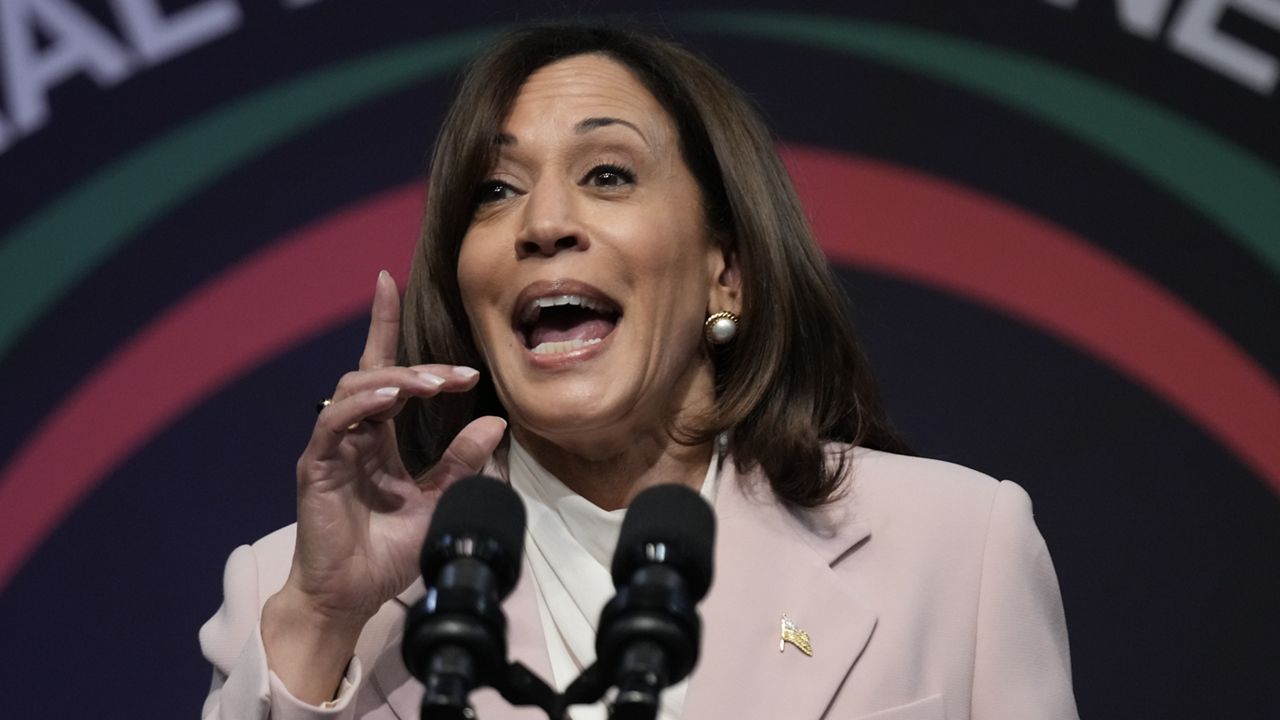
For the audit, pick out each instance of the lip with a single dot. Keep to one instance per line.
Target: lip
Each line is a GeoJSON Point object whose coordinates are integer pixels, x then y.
{"type": "Point", "coordinates": [551, 288]}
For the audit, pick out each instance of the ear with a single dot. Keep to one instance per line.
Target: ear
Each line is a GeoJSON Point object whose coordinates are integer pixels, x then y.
{"type": "Point", "coordinates": [726, 281]}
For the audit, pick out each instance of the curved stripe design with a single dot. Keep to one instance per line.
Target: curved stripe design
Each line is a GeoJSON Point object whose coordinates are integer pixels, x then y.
{"type": "Point", "coordinates": [45, 256]}
{"type": "Point", "coordinates": [867, 214]}
{"type": "Point", "coordinates": [285, 295]}
{"type": "Point", "coordinates": [900, 222]}
{"type": "Point", "coordinates": [1231, 186]}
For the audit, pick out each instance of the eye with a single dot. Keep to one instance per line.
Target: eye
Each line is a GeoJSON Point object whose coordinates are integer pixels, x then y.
{"type": "Point", "coordinates": [609, 176]}
{"type": "Point", "coordinates": [492, 191]}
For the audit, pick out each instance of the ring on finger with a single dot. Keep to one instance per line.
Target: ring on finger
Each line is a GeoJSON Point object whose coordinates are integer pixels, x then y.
{"type": "Point", "coordinates": [320, 406]}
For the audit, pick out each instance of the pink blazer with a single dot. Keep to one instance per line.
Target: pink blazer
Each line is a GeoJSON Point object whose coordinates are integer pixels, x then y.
{"type": "Point", "coordinates": [926, 591]}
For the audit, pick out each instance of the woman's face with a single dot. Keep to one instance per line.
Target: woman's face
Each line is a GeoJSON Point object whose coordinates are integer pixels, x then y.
{"type": "Point", "coordinates": [588, 269]}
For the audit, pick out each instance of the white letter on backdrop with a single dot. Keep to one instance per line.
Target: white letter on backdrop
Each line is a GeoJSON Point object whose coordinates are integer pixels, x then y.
{"type": "Point", "coordinates": [1195, 34]}
{"type": "Point", "coordinates": [159, 37]}
{"type": "Point", "coordinates": [1143, 18]}
{"type": "Point", "coordinates": [76, 43]}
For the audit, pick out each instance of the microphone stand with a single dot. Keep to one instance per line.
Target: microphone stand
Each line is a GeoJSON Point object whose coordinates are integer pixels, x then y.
{"type": "Point", "coordinates": [519, 686]}
{"type": "Point", "coordinates": [648, 638]}
{"type": "Point", "coordinates": [455, 652]}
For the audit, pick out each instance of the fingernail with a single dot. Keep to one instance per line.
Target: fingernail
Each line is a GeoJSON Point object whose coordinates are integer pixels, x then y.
{"type": "Point", "coordinates": [431, 379]}
{"type": "Point", "coordinates": [464, 372]}
{"type": "Point", "coordinates": [387, 392]}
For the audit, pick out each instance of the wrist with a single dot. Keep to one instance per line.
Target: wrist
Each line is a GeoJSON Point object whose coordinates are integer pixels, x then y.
{"type": "Point", "coordinates": [300, 612]}
{"type": "Point", "coordinates": [307, 647]}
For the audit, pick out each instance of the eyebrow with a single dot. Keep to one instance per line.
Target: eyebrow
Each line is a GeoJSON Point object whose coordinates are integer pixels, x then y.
{"type": "Point", "coordinates": [593, 123]}
{"type": "Point", "coordinates": [582, 126]}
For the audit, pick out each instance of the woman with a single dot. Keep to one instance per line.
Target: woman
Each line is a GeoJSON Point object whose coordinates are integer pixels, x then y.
{"type": "Point", "coordinates": [614, 263]}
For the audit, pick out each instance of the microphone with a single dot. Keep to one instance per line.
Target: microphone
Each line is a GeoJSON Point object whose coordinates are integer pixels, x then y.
{"type": "Point", "coordinates": [456, 637]}
{"type": "Point", "coordinates": [650, 632]}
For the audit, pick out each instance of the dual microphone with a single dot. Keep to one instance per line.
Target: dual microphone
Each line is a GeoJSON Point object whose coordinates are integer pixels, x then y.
{"type": "Point", "coordinates": [649, 633]}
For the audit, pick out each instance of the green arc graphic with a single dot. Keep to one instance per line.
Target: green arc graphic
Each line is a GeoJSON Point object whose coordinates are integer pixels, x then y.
{"type": "Point", "coordinates": [1226, 183]}
{"type": "Point", "coordinates": [46, 255]}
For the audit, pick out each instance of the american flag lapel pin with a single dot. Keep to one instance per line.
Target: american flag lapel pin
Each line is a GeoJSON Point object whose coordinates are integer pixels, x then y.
{"type": "Point", "coordinates": [791, 633]}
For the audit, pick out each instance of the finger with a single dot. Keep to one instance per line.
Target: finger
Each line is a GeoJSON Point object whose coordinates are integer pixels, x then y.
{"type": "Point", "coordinates": [384, 325]}
{"type": "Point", "coordinates": [457, 378]}
{"type": "Point", "coordinates": [414, 380]}
{"type": "Point", "coordinates": [424, 383]}
{"type": "Point", "coordinates": [336, 420]}
{"type": "Point", "coordinates": [448, 378]}
{"type": "Point", "coordinates": [417, 381]}
{"type": "Point", "coordinates": [468, 452]}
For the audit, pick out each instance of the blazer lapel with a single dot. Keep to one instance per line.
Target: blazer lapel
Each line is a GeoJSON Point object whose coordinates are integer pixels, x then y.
{"type": "Point", "coordinates": [770, 562]}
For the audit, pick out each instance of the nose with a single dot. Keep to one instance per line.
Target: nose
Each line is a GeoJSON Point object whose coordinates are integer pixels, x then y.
{"type": "Point", "coordinates": [551, 222]}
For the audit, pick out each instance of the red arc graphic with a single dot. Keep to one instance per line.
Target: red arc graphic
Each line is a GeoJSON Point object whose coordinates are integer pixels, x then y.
{"type": "Point", "coordinates": [866, 214]}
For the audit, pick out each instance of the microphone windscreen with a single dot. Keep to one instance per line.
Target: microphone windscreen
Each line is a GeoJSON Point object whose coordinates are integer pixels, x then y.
{"type": "Point", "coordinates": [678, 519]}
{"type": "Point", "coordinates": [482, 508]}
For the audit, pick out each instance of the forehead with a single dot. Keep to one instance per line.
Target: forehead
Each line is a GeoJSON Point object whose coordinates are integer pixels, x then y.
{"type": "Point", "coordinates": [582, 86]}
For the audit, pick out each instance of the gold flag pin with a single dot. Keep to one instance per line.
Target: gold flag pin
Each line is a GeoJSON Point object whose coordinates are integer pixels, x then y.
{"type": "Point", "coordinates": [794, 635]}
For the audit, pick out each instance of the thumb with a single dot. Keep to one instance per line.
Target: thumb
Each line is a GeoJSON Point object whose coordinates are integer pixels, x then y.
{"type": "Point", "coordinates": [468, 452]}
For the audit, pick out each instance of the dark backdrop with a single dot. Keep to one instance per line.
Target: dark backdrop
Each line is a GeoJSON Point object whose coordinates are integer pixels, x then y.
{"type": "Point", "coordinates": [1058, 224]}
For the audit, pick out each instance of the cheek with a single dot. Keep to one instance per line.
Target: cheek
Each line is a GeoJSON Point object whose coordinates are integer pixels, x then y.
{"type": "Point", "coordinates": [679, 296]}
{"type": "Point", "coordinates": [675, 247]}
{"type": "Point", "coordinates": [471, 288]}
{"type": "Point", "coordinates": [471, 276]}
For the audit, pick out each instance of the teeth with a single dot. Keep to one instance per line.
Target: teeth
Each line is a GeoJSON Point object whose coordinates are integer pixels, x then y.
{"type": "Point", "coordinates": [578, 300]}
{"type": "Point", "coordinates": [555, 348]}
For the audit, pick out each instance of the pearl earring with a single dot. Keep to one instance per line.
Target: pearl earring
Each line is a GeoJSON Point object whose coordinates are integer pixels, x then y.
{"type": "Point", "coordinates": [721, 328]}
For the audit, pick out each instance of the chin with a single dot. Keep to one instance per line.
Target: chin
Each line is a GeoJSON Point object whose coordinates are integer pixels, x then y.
{"type": "Point", "coordinates": [570, 416]}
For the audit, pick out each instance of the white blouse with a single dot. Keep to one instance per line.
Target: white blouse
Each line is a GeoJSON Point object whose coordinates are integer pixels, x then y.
{"type": "Point", "coordinates": [569, 546]}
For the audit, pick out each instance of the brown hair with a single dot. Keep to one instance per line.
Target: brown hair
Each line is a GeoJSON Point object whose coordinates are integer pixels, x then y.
{"type": "Point", "coordinates": [794, 377]}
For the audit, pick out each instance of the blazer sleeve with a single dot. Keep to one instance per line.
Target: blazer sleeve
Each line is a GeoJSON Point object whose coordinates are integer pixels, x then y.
{"type": "Point", "coordinates": [1022, 665]}
{"type": "Point", "coordinates": [243, 686]}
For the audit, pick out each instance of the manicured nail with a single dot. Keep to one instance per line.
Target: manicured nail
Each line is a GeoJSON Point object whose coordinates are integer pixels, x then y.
{"type": "Point", "coordinates": [431, 379]}
{"type": "Point", "coordinates": [464, 372]}
{"type": "Point", "coordinates": [387, 392]}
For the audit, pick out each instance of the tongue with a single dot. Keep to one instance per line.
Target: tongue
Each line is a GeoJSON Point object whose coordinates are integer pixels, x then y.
{"type": "Point", "coordinates": [576, 328]}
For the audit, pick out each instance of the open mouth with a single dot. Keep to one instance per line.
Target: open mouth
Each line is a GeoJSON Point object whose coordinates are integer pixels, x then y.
{"type": "Point", "coordinates": [557, 324]}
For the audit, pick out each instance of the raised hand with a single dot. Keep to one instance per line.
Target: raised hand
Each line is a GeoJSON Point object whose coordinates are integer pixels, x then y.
{"type": "Point", "coordinates": [361, 516]}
